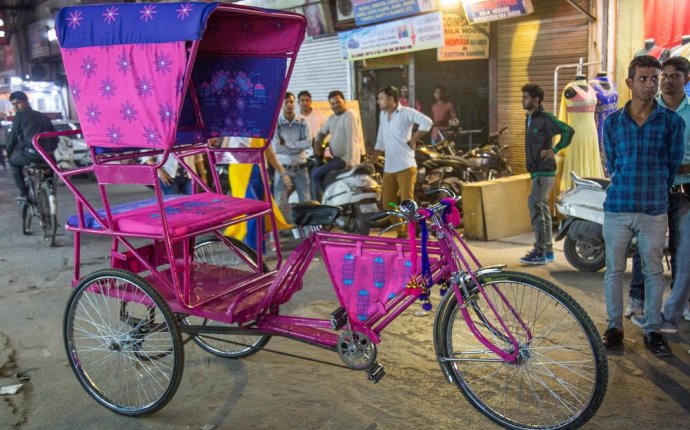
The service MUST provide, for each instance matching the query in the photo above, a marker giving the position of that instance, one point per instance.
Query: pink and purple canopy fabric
(127, 67)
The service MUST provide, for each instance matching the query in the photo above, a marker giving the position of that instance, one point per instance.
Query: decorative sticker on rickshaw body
(367, 280)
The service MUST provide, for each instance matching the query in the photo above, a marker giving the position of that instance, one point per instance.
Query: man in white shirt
(345, 144)
(314, 118)
(396, 140)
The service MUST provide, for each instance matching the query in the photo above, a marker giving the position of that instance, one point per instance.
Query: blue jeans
(300, 180)
(179, 185)
(650, 230)
(319, 174)
(679, 246)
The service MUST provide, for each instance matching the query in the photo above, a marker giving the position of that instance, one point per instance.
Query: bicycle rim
(560, 377)
(123, 343)
(26, 218)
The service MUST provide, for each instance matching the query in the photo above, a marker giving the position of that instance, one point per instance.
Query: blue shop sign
(478, 11)
(372, 11)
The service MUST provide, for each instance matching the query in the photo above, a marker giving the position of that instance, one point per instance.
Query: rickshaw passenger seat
(188, 214)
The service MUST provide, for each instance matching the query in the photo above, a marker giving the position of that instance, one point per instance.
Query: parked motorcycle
(357, 191)
(488, 162)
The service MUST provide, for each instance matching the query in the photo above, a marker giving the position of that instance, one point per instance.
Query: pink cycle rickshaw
(160, 80)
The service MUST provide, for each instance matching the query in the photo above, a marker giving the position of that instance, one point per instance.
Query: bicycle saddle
(312, 213)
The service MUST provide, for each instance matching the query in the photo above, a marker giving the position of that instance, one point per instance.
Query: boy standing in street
(540, 128)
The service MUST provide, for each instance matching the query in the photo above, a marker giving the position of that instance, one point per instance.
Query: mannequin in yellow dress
(582, 156)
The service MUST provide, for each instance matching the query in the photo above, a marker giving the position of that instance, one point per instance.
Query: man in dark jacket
(540, 128)
(26, 124)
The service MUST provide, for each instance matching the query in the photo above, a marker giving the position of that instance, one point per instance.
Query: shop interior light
(2, 22)
(2, 33)
(52, 35)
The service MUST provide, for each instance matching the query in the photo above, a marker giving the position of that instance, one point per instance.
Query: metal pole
(579, 65)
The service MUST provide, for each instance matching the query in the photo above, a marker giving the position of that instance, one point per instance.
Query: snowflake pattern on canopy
(138, 99)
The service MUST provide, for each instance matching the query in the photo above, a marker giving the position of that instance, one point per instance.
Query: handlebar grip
(379, 215)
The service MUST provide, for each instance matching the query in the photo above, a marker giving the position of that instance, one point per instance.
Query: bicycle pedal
(375, 373)
(470, 299)
(338, 318)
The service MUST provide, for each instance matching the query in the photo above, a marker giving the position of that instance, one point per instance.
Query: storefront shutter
(528, 50)
(319, 69)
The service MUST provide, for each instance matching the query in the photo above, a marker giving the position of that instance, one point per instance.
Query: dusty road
(275, 389)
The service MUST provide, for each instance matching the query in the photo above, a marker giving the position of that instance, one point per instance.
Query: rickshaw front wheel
(123, 342)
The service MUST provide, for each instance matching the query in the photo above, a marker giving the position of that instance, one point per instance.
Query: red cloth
(666, 21)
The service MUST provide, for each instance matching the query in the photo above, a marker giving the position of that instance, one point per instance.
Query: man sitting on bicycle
(26, 124)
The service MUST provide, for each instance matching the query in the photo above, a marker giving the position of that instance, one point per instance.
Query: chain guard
(356, 350)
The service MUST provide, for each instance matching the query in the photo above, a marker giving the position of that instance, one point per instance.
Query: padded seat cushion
(185, 214)
(188, 214)
(92, 222)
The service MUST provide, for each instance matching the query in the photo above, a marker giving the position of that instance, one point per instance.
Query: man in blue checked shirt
(644, 145)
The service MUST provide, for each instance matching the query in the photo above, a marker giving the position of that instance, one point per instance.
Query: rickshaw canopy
(129, 65)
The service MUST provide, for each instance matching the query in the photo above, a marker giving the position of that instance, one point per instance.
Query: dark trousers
(319, 174)
(18, 160)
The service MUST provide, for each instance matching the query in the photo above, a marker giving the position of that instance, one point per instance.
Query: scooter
(583, 209)
(357, 191)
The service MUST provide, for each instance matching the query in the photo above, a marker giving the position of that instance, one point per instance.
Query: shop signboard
(395, 37)
(463, 41)
(478, 11)
(372, 11)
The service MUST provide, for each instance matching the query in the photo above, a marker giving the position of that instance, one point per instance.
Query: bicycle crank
(356, 350)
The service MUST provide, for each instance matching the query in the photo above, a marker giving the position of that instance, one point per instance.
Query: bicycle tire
(570, 373)
(211, 250)
(106, 345)
(26, 218)
(47, 209)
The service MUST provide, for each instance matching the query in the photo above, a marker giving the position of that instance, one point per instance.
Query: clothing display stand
(582, 156)
(607, 103)
(580, 67)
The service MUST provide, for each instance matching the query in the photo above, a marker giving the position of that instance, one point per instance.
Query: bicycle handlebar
(414, 215)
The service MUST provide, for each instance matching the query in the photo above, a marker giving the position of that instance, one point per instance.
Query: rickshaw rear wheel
(212, 250)
(110, 347)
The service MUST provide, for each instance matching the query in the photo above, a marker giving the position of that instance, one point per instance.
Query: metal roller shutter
(528, 50)
(319, 69)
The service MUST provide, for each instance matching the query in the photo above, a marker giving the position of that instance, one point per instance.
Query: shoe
(20, 199)
(549, 257)
(635, 307)
(533, 258)
(613, 337)
(656, 343)
(686, 312)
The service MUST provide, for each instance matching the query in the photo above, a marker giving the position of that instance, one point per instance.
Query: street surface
(291, 385)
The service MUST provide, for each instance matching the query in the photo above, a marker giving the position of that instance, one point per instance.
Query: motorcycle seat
(361, 169)
(312, 213)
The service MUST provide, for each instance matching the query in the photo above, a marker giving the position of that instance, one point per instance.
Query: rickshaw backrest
(128, 66)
